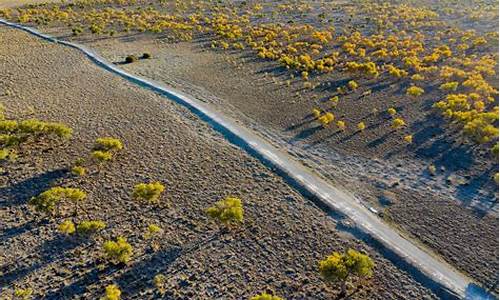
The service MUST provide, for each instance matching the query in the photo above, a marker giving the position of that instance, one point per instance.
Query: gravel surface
(277, 248)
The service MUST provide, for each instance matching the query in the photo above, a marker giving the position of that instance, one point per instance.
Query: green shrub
(148, 191)
(37, 127)
(228, 211)
(339, 267)
(112, 293)
(159, 281)
(23, 294)
(90, 227)
(152, 231)
(265, 296)
(47, 201)
(108, 144)
(8, 126)
(9, 140)
(119, 251)
(130, 59)
(78, 171)
(102, 156)
(67, 227)
(4, 154)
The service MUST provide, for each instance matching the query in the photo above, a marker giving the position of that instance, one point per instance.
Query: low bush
(102, 156)
(47, 201)
(67, 227)
(118, 251)
(112, 293)
(148, 191)
(339, 267)
(90, 227)
(23, 294)
(78, 171)
(108, 144)
(228, 211)
(146, 56)
(265, 296)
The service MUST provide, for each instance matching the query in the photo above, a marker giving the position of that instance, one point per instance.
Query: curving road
(447, 282)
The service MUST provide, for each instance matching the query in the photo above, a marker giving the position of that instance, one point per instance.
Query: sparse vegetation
(339, 267)
(47, 201)
(119, 251)
(112, 293)
(148, 191)
(90, 227)
(228, 211)
(265, 296)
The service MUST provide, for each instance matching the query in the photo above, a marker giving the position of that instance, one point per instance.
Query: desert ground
(277, 248)
(437, 189)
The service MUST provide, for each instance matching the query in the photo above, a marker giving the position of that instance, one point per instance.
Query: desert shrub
(37, 127)
(152, 231)
(159, 281)
(339, 267)
(130, 59)
(408, 138)
(47, 201)
(496, 177)
(398, 123)
(23, 294)
(341, 125)
(118, 251)
(326, 119)
(102, 156)
(316, 113)
(108, 144)
(391, 111)
(227, 211)
(67, 227)
(112, 293)
(8, 126)
(361, 126)
(77, 30)
(148, 191)
(78, 171)
(414, 91)
(4, 154)
(265, 296)
(353, 85)
(146, 55)
(449, 86)
(10, 140)
(90, 227)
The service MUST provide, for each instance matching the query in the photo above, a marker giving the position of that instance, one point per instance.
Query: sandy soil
(449, 212)
(278, 247)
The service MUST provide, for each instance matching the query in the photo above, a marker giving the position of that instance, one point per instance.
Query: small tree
(119, 251)
(339, 267)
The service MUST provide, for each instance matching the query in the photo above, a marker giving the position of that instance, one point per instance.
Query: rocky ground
(278, 247)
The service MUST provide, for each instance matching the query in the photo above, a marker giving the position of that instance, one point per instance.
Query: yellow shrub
(119, 251)
(227, 211)
(148, 191)
(361, 126)
(112, 293)
(398, 123)
(67, 227)
(414, 91)
(90, 227)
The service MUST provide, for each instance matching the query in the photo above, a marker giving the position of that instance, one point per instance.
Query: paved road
(447, 282)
